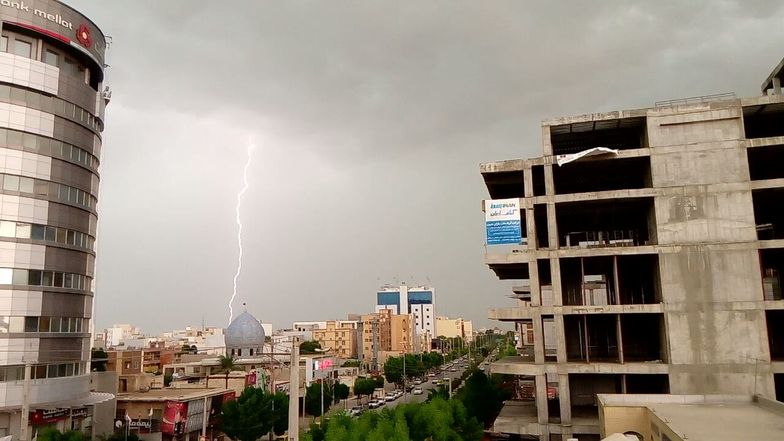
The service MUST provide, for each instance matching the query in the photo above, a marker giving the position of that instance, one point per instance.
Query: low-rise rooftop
(172, 394)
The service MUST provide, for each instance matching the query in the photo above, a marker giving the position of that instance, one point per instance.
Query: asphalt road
(409, 397)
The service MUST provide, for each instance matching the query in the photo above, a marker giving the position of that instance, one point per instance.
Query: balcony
(610, 280)
(606, 223)
(763, 120)
(595, 175)
(610, 338)
(768, 215)
(621, 134)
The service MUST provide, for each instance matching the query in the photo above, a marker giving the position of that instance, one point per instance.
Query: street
(408, 397)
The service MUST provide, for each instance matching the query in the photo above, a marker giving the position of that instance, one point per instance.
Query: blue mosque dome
(244, 336)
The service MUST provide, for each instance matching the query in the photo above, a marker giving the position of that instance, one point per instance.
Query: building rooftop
(710, 417)
(721, 422)
(172, 394)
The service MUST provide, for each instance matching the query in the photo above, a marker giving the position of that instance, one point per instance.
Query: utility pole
(294, 391)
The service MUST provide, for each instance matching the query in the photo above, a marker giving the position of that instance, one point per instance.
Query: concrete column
(549, 182)
(538, 338)
(547, 146)
(533, 280)
(528, 182)
(552, 227)
(565, 400)
(560, 335)
(777, 85)
(616, 283)
(555, 269)
(620, 337)
(530, 228)
(541, 399)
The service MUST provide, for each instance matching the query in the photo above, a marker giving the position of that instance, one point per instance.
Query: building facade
(340, 336)
(652, 250)
(52, 103)
(419, 301)
(457, 327)
(385, 334)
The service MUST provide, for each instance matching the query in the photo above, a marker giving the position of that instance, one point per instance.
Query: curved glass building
(51, 118)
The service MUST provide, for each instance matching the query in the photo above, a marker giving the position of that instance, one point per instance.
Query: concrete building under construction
(650, 258)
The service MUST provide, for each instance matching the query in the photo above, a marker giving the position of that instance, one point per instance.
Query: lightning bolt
(251, 146)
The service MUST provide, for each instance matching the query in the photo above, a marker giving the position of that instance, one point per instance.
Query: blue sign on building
(502, 222)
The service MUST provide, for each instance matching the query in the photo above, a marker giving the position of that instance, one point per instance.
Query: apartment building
(454, 327)
(385, 334)
(340, 336)
(646, 249)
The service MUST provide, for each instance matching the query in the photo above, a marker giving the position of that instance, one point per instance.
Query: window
(23, 48)
(51, 58)
(31, 324)
(4, 44)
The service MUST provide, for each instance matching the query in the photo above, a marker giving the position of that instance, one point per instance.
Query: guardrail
(696, 99)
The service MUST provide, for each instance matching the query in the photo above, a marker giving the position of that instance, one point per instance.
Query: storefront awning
(90, 399)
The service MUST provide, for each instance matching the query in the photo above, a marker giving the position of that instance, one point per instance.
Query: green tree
(120, 436)
(393, 370)
(379, 381)
(432, 360)
(254, 414)
(309, 347)
(99, 359)
(438, 420)
(315, 433)
(364, 386)
(280, 413)
(227, 365)
(52, 434)
(313, 398)
(483, 398)
(440, 392)
(341, 392)
(351, 363)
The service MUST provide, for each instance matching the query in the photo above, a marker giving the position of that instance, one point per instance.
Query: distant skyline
(370, 120)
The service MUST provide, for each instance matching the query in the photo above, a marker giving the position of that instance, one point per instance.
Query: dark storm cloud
(371, 119)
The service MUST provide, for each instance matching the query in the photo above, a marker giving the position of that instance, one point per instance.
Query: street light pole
(294, 391)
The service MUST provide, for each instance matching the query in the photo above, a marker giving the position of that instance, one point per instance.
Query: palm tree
(226, 366)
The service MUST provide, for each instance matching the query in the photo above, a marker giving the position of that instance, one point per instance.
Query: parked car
(417, 382)
(389, 398)
(355, 411)
(453, 370)
(417, 391)
(434, 381)
(373, 404)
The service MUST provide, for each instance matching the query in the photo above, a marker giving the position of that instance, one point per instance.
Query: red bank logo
(83, 35)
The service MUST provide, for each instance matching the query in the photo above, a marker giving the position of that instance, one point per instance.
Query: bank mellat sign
(83, 35)
(24, 7)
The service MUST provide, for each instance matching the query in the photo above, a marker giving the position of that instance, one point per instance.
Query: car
(355, 411)
(417, 391)
(417, 382)
(389, 398)
(373, 404)
(453, 370)
(434, 381)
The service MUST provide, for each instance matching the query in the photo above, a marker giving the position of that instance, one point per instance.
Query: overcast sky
(371, 120)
